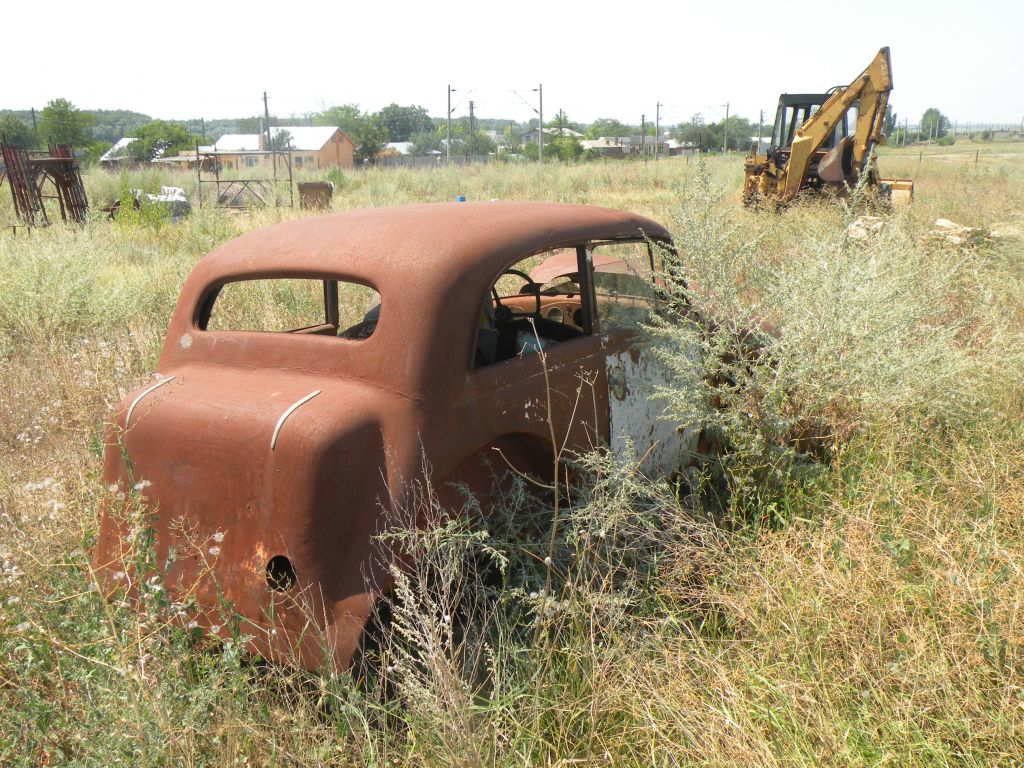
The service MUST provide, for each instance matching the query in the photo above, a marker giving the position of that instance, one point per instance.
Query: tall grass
(861, 606)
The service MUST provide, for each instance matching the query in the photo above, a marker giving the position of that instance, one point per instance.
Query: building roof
(119, 151)
(307, 139)
(304, 138)
(605, 142)
(237, 142)
(556, 132)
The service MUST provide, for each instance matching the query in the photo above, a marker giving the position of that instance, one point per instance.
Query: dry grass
(872, 616)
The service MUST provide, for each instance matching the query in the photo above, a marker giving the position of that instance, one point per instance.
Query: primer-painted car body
(254, 445)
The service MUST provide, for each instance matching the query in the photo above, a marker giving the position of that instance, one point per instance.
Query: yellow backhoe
(826, 140)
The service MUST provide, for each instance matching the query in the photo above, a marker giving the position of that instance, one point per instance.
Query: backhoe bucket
(898, 192)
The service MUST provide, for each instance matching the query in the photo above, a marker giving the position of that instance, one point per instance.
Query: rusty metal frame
(28, 172)
(240, 193)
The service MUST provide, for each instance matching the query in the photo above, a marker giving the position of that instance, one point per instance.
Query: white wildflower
(214, 551)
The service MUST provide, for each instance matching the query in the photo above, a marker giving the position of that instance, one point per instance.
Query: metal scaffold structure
(35, 177)
(245, 192)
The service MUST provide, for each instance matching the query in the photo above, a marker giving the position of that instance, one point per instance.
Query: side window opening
(320, 306)
(625, 291)
(534, 303)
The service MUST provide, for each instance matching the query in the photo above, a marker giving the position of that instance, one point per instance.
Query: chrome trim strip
(128, 418)
(291, 409)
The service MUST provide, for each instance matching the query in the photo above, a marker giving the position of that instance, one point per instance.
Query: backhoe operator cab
(794, 110)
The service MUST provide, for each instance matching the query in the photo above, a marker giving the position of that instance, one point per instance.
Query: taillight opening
(280, 574)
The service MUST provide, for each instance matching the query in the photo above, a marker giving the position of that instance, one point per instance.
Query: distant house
(121, 155)
(395, 148)
(118, 153)
(606, 146)
(623, 146)
(310, 147)
(532, 136)
(674, 147)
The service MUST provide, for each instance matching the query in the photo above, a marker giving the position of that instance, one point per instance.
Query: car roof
(394, 245)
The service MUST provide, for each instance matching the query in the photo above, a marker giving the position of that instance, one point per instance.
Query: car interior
(542, 300)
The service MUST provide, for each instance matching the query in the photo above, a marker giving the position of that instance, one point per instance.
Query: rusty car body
(271, 458)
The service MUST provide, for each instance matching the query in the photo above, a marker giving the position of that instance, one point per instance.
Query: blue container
(460, 199)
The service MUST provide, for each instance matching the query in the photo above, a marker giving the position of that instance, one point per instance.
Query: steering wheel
(502, 312)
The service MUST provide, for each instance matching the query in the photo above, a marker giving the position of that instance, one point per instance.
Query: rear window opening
(320, 306)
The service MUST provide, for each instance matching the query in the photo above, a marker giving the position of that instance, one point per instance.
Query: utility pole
(725, 141)
(657, 128)
(202, 122)
(448, 143)
(905, 132)
(760, 124)
(34, 128)
(266, 122)
(472, 129)
(643, 130)
(540, 145)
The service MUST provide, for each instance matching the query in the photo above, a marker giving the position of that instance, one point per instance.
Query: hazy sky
(595, 59)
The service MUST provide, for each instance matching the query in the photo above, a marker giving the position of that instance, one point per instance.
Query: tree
(562, 122)
(567, 148)
(159, 138)
(114, 124)
(513, 138)
(368, 131)
(934, 124)
(15, 132)
(281, 140)
(478, 143)
(740, 132)
(62, 122)
(608, 126)
(252, 124)
(370, 136)
(425, 143)
(889, 121)
(403, 122)
(346, 117)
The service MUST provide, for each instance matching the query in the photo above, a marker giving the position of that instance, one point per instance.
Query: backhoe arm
(872, 89)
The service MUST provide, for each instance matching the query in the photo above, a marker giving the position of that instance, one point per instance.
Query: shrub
(796, 356)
